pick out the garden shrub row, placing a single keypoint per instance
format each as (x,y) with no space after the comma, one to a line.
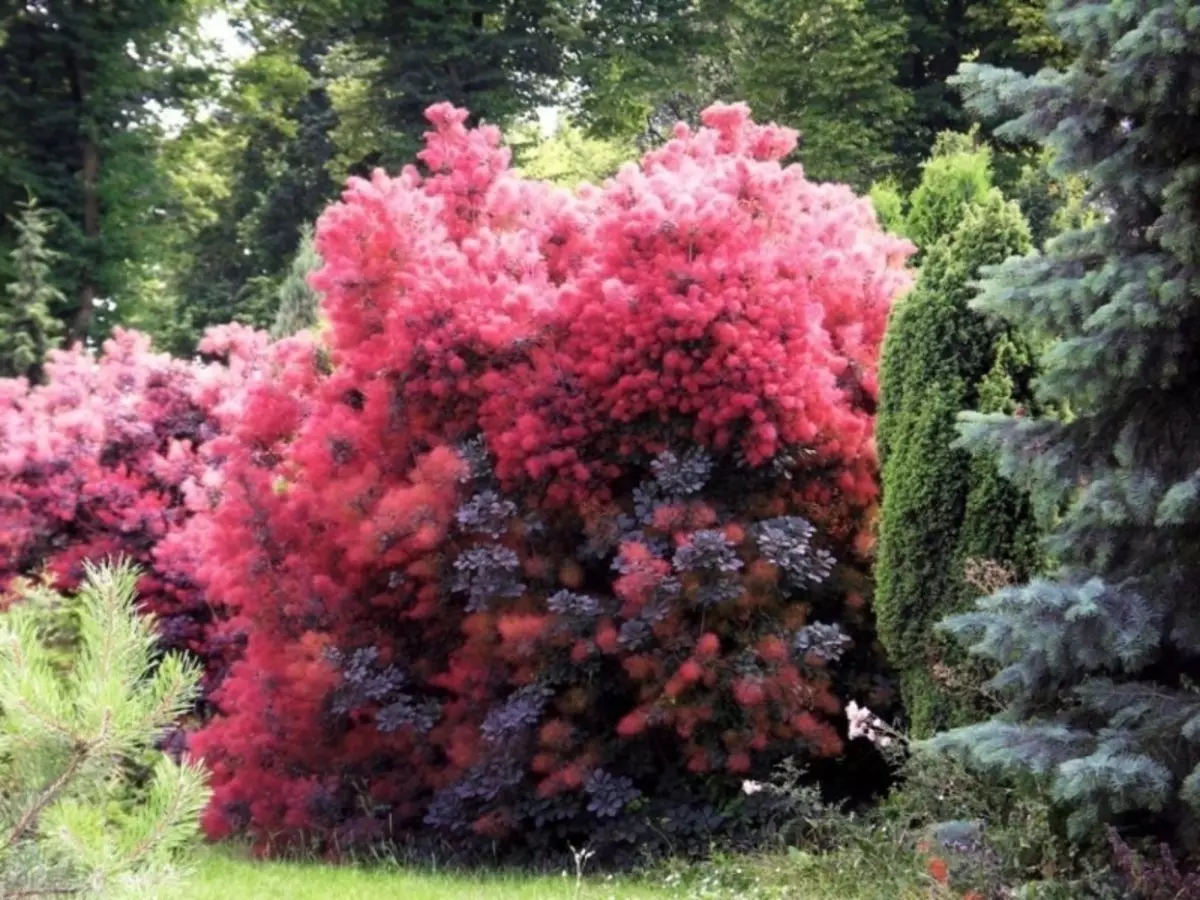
(558,532)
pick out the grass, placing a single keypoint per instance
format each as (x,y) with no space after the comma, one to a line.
(223,875)
(854,873)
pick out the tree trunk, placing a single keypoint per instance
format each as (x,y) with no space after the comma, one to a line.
(91,228)
(77,329)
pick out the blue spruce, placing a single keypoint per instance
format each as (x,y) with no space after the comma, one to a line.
(1100,663)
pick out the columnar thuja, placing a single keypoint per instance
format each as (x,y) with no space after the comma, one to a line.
(568,517)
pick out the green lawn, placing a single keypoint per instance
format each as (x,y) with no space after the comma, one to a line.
(224,876)
(848,875)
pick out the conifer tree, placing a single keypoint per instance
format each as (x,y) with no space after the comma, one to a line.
(299,304)
(66,737)
(1100,661)
(941,509)
(27,326)
(957,174)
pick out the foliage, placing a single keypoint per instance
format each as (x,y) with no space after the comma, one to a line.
(1012,33)
(27,328)
(568,157)
(64,736)
(565,529)
(1051,204)
(829,70)
(865,80)
(889,203)
(941,508)
(1152,879)
(105,459)
(299,304)
(1097,661)
(249,178)
(498,58)
(642,67)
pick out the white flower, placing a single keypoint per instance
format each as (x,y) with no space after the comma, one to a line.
(864,723)
(752,787)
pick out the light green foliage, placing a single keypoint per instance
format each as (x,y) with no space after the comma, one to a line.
(888,201)
(299,304)
(66,734)
(27,328)
(1098,662)
(957,176)
(941,508)
(569,156)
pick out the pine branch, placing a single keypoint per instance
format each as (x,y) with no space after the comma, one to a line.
(29,818)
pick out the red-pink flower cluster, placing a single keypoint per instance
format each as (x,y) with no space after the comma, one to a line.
(99,461)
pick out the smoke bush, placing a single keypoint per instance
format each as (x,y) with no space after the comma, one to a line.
(105,458)
(536,545)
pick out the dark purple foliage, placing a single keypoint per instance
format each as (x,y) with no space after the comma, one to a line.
(787,542)
(485,574)
(609,794)
(826,641)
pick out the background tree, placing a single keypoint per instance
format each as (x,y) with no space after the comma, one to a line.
(828,70)
(863,77)
(1099,661)
(1012,33)
(65,737)
(27,327)
(78,134)
(330,90)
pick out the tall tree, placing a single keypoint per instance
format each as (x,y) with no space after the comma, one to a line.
(643,66)
(826,69)
(27,327)
(334,89)
(1100,660)
(269,147)
(495,57)
(78,133)
(865,80)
